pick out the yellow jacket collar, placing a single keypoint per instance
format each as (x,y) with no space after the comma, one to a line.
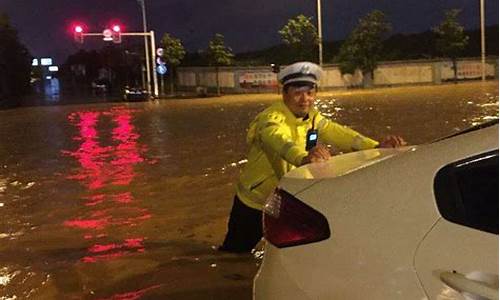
(288,113)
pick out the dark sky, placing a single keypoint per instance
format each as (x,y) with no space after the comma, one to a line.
(44,25)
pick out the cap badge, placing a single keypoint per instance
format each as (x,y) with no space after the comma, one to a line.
(305,69)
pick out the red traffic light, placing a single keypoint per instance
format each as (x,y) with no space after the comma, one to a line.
(78,33)
(116,36)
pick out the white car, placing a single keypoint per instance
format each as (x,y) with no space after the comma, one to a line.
(417,222)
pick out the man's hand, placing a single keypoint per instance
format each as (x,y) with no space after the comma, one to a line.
(317,154)
(392,141)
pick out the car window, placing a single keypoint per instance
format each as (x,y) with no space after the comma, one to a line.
(467,192)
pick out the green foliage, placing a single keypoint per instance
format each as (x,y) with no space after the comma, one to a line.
(451,40)
(15,62)
(174,51)
(363,48)
(218,53)
(348,62)
(302,38)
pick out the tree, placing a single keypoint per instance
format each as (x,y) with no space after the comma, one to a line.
(363,48)
(174,53)
(302,37)
(451,38)
(219,55)
(15,62)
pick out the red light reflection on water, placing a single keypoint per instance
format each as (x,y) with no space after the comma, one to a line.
(128,243)
(132,295)
(95,199)
(113,250)
(127,152)
(104,166)
(123,197)
(88,224)
(90,155)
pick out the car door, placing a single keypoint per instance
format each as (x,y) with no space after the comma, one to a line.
(458,258)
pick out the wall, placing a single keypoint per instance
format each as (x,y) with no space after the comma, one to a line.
(261,79)
(467,69)
(404,73)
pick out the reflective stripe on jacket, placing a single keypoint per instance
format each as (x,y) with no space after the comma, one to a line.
(277,142)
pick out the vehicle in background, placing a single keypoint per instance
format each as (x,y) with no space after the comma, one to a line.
(418,222)
(101,87)
(135,94)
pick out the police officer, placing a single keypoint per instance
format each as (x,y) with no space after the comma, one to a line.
(277,139)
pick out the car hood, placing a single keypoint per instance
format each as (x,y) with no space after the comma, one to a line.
(337,166)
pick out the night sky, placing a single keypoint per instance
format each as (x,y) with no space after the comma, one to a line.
(45,25)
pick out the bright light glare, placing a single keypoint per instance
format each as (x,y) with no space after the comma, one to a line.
(46,61)
(78,29)
(116,28)
(53,68)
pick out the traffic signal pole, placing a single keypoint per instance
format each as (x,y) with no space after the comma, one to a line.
(151,35)
(144,27)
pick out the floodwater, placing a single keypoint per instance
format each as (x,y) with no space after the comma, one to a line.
(128,201)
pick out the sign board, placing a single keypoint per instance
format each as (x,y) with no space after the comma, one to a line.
(160,61)
(161,69)
(465,70)
(160,51)
(258,80)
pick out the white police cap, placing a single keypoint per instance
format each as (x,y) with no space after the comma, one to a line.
(303,71)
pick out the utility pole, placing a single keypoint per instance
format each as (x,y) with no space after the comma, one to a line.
(483,42)
(153,53)
(320,35)
(144,29)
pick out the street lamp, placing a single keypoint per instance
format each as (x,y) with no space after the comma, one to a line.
(320,35)
(144,29)
(483,42)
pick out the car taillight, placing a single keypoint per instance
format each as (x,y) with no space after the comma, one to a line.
(290,222)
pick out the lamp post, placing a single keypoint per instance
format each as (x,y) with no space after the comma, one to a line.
(320,35)
(483,42)
(144,29)
(153,53)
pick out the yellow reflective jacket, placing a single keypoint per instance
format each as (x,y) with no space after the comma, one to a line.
(277,142)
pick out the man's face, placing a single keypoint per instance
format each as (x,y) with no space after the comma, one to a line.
(299,100)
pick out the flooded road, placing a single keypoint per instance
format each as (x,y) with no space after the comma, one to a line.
(129,200)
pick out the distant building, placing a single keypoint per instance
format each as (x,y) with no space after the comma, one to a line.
(44,76)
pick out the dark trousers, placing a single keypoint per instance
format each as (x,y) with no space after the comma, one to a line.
(244,229)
